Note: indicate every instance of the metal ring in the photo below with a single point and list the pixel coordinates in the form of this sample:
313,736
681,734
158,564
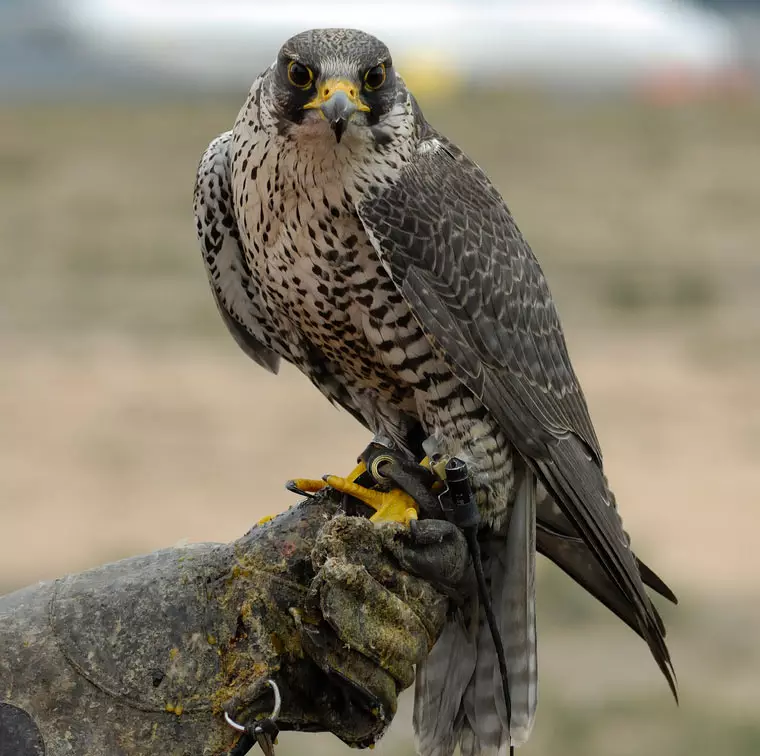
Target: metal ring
277,700
374,468
232,723
275,712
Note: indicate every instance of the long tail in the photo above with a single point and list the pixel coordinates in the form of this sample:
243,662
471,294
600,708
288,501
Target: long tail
459,696
517,618
441,682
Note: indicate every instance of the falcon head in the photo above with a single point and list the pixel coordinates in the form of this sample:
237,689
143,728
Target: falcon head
332,80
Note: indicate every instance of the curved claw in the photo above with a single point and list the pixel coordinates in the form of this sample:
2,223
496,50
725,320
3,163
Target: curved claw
308,486
396,505
389,506
305,486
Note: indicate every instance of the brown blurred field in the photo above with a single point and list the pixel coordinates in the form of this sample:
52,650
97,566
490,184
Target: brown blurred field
129,420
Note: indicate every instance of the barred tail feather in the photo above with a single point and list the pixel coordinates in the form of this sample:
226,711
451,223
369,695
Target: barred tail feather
510,573
459,697
441,681
484,730
516,616
471,745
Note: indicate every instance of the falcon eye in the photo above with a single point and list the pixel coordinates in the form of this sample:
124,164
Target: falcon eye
299,75
375,77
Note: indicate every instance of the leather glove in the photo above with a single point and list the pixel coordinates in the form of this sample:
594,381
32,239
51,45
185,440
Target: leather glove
377,599
144,656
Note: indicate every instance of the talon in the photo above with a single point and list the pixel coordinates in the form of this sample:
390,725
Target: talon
304,486
308,486
389,506
265,519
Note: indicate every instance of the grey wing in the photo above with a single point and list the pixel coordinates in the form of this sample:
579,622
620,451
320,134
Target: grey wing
453,250
228,272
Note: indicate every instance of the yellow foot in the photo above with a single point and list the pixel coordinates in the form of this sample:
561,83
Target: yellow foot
389,506
310,485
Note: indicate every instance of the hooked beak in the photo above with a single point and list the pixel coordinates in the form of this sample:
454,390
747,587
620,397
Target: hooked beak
338,100
338,111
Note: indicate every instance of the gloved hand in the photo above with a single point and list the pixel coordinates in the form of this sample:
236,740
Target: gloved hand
144,656
376,602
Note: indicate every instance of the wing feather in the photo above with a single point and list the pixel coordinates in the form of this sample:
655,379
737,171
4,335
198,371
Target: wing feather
226,266
450,244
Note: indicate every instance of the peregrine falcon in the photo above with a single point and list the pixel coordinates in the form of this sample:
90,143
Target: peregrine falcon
342,233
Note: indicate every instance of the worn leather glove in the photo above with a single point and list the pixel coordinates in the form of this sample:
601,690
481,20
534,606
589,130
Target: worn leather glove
145,655
376,602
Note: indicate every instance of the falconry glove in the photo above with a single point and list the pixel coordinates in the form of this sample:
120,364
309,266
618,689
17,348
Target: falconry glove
147,655
372,609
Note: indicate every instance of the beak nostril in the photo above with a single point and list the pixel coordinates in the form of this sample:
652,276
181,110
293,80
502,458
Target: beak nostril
326,92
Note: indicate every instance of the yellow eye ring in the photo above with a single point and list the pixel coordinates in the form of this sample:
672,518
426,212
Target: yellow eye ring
299,75
375,77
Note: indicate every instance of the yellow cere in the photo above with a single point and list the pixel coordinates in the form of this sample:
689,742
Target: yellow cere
328,88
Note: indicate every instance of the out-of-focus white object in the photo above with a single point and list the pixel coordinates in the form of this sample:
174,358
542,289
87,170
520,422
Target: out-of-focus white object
598,43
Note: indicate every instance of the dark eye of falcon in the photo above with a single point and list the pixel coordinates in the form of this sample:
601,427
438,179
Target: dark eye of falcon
299,75
375,77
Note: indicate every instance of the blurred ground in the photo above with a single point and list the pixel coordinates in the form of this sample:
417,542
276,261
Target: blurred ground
129,420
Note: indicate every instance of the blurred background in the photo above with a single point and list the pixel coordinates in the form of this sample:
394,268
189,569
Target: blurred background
625,136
